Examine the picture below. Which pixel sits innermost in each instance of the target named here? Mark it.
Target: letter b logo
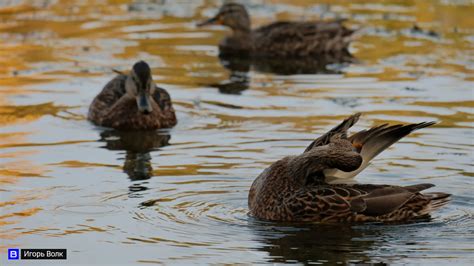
(13, 253)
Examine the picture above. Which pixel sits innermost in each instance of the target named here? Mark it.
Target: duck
(132, 101)
(296, 189)
(279, 39)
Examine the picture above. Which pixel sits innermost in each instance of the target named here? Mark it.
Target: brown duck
(133, 102)
(295, 188)
(282, 39)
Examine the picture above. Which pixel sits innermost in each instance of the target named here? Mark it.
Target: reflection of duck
(137, 145)
(237, 83)
(415, 30)
(312, 243)
(281, 39)
(239, 67)
(288, 66)
(295, 188)
(133, 102)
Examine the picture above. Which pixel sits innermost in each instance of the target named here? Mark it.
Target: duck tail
(437, 200)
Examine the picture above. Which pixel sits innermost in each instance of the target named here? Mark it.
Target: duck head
(139, 84)
(232, 15)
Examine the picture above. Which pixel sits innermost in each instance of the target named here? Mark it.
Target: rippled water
(180, 195)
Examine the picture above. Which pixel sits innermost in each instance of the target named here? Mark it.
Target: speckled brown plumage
(281, 39)
(116, 108)
(295, 188)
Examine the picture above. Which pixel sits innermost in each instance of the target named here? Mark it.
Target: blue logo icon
(13, 253)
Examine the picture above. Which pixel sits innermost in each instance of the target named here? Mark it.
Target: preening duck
(295, 188)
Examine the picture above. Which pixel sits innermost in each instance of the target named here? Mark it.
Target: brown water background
(180, 196)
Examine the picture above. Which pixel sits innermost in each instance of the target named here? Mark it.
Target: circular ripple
(89, 208)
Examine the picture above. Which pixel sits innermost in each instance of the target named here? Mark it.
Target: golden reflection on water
(56, 55)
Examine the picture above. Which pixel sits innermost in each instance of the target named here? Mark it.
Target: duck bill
(144, 104)
(212, 21)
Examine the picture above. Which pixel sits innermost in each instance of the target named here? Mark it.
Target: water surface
(180, 195)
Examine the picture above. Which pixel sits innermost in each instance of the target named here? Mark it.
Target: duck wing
(369, 143)
(383, 200)
(162, 98)
(392, 203)
(110, 94)
(339, 129)
(359, 203)
(302, 38)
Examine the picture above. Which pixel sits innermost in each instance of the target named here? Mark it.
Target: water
(180, 195)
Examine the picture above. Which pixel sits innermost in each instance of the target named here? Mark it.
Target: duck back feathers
(301, 39)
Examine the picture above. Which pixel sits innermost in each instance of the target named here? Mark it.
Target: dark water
(180, 195)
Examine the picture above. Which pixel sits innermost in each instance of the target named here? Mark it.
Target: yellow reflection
(77, 40)
(27, 113)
